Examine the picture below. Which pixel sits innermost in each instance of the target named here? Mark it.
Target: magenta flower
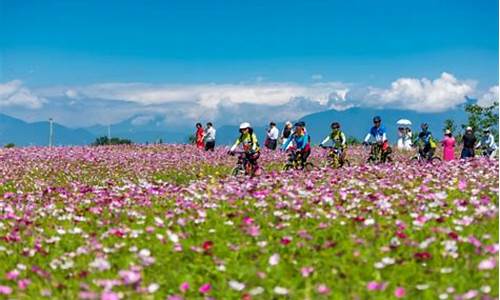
(323, 289)
(487, 264)
(400, 292)
(376, 286)
(184, 287)
(205, 288)
(109, 296)
(23, 283)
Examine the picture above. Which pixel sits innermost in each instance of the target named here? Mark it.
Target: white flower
(235, 285)
(100, 264)
(144, 253)
(422, 287)
(256, 291)
(388, 260)
(485, 289)
(443, 296)
(153, 287)
(274, 259)
(369, 222)
(280, 290)
(379, 265)
(173, 237)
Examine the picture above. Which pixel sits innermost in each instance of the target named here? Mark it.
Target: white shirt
(273, 134)
(210, 134)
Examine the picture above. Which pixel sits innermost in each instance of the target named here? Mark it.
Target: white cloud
(423, 94)
(489, 97)
(13, 93)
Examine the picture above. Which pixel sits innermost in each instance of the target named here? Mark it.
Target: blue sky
(71, 44)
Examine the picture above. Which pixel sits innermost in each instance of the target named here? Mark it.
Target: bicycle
(377, 155)
(425, 158)
(295, 162)
(334, 158)
(243, 165)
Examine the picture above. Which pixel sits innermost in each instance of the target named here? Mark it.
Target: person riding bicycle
(487, 143)
(301, 140)
(338, 139)
(249, 142)
(378, 133)
(426, 143)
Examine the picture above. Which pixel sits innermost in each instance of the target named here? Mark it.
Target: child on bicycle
(338, 139)
(487, 144)
(378, 133)
(301, 140)
(249, 142)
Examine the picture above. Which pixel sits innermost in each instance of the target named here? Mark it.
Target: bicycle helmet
(424, 126)
(298, 124)
(245, 125)
(486, 130)
(377, 119)
(335, 125)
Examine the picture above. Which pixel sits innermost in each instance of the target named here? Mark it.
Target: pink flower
(205, 288)
(5, 290)
(23, 283)
(253, 230)
(174, 297)
(109, 296)
(274, 259)
(286, 240)
(400, 292)
(184, 287)
(130, 277)
(306, 271)
(12, 274)
(323, 289)
(376, 286)
(487, 264)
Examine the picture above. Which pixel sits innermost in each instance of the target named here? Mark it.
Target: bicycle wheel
(237, 171)
(287, 167)
(435, 160)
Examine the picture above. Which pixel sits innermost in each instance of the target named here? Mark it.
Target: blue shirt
(377, 133)
(300, 141)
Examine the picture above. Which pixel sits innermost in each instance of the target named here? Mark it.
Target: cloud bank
(232, 103)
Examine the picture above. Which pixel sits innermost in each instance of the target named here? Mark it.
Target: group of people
(205, 138)
(296, 137)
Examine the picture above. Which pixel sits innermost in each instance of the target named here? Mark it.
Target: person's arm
(235, 144)
(343, 138)
(367, 138)
(325, 140)
(478, 144)
(287, 142)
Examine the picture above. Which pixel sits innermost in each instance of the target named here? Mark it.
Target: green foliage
(104, 140)
(353, 141)
(191, 139)
(9, 145)
(482, 117)
(449, 124)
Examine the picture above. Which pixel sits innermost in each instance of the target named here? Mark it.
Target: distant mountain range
(141, 129)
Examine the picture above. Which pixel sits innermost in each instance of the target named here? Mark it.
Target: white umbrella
(404, 122)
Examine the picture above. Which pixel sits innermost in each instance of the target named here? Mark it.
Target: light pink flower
(323, 289)
(109, 296)
(5, 290)
(487, 264)
(306, 271)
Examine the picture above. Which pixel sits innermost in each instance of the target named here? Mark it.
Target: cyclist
(427, 145)
(487, 143)
(378, 133)
(338, 139)
(301, 140)
(250, 144)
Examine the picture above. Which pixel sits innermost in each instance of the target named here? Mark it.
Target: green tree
(104, 140)
(9, 145)
(480, 117)
(352, 141)
(191, 139)
(449, 124)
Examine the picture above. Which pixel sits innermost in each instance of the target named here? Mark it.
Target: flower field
(167, 222)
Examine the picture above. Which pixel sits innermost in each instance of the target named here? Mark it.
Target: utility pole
(51, 132)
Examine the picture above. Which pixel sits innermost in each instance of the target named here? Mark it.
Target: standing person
(200, 134)
(210, 137)
(487, 144)
(469, 142)
(448, 143)
(272, 136)
(287, 131)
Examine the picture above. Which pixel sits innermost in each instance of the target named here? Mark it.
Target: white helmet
(245, 125)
